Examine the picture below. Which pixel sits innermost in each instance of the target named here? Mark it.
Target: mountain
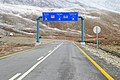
(19, 16)
(100, 4)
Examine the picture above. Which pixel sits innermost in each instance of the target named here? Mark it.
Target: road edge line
(40, 58)
(15, 76)
(95, 63)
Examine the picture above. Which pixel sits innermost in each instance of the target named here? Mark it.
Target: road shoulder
(107, 75)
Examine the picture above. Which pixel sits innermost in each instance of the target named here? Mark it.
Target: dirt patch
(14, 44)
(10, 44)
(113, 49)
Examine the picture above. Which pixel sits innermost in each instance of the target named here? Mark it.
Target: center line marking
(49, 51)
(34, 66)
(15, 76)
(40, 58)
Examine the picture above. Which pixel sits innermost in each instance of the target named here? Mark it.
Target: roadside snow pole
(82, 29)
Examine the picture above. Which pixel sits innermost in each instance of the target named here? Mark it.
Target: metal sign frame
(38, 29)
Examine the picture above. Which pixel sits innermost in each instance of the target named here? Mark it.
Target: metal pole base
(37, 44)
(82, 43)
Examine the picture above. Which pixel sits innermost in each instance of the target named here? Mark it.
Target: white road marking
(34, 66)
(49, 51)
(15, 76)
(40, 58)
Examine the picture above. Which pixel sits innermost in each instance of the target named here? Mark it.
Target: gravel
(108, 62)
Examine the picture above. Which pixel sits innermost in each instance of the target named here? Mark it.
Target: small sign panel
(59, 16)
(96, 29)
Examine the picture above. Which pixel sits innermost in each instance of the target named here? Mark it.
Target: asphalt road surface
(60, 60)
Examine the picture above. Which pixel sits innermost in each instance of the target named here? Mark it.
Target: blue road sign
(59, 16)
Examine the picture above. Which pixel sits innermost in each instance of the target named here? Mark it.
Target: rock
(1, 36)
(11, 34)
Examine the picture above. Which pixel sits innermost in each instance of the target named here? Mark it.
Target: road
(60, 60)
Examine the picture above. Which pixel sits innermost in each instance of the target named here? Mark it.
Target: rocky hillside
(103, 4)
(22, 19)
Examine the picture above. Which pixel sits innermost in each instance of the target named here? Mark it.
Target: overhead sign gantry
(59, 17)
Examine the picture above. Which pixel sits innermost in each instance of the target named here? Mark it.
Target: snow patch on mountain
(100, 4)
(91, 17)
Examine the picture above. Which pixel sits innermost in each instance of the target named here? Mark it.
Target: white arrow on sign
(45, 18)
